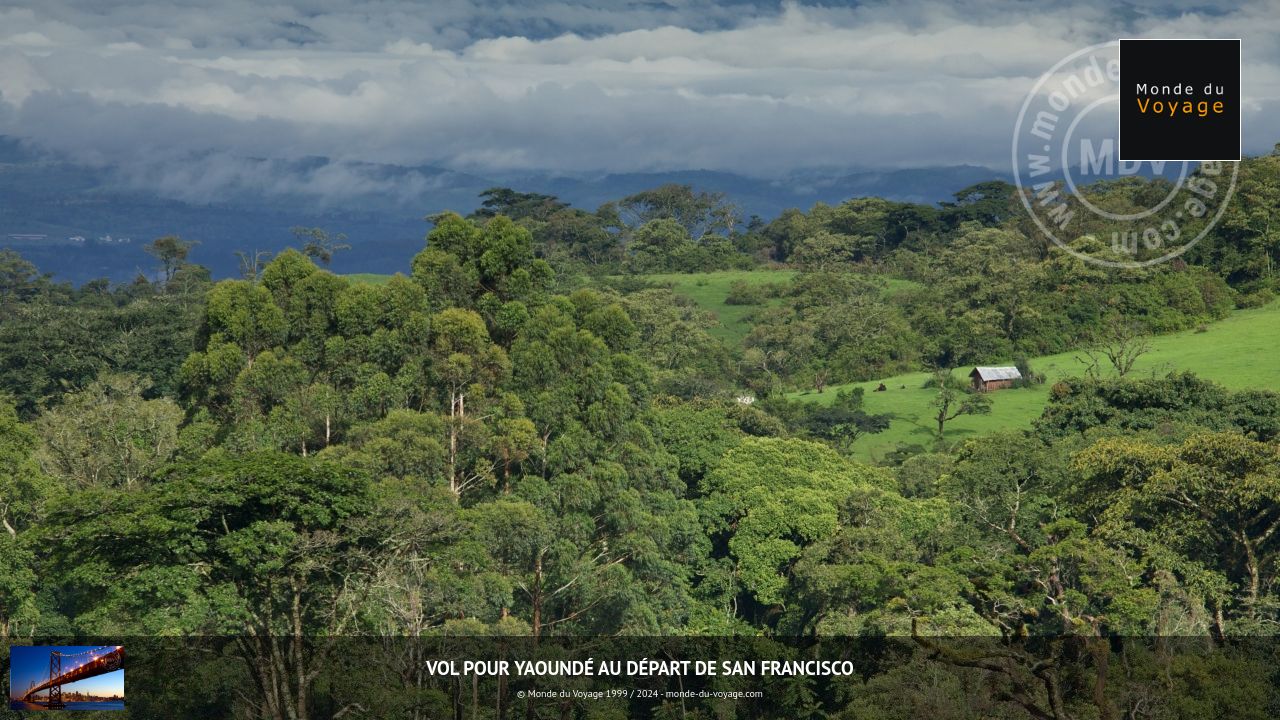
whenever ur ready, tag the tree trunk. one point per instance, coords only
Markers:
(1100, 648)
(1251, 567)
(457, 699)
(457, 413)
(536, 599)
(300, 669)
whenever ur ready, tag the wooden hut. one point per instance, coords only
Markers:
(986, 379)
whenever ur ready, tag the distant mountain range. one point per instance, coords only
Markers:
(82, 221)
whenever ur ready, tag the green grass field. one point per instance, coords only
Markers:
(1238, 352)
(709, 290)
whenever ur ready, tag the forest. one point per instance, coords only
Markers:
(292, 481)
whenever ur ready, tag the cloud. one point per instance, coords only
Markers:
(756, 88)
(19, 78)
(313, 179)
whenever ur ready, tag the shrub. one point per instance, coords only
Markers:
(743, 293)
(1030, 378)
(1255, 299)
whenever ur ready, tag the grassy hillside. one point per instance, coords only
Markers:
(1239, 352)
(709, 290)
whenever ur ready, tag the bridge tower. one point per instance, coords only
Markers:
(55, 691)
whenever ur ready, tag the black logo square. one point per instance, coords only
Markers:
(1179, 99)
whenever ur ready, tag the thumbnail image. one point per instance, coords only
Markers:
(66, 677)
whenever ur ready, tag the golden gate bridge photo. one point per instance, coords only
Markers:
(66, 677)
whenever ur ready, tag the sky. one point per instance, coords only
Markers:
(758, 88)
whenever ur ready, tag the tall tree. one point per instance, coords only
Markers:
(267, 548)
(698, 212)
(19, 279)
(769, 498)
(108, 434)
(465, 265)
(171, 251)
(517, 205)
(246, 314)
(318, 244)
(467, 365)
(1212, 501)
(23, 487)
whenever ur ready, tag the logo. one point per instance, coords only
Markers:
(1180, 99)
(1087, 201)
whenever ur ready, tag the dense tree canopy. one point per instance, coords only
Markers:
(521, 438)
